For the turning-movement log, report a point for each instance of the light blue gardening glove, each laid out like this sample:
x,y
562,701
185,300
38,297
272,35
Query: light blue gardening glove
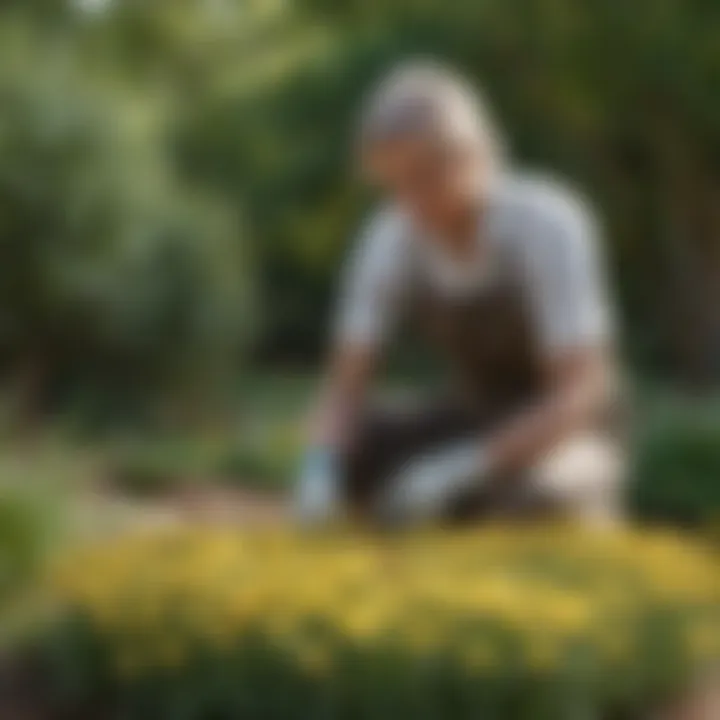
x,y
317,492
428,484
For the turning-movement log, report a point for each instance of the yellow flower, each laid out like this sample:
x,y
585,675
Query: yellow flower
x,y
128,663
703,641
542,589
314,658
543,653
170,653
479,657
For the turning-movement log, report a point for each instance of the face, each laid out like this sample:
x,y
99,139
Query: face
x,y
436,183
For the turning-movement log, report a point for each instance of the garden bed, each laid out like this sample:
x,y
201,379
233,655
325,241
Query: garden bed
x,y
501,623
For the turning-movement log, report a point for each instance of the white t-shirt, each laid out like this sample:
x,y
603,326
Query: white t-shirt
x,y
542,228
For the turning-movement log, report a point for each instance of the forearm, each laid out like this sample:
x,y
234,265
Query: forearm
x,y
317,494
577,388
341,398
567,407
332,419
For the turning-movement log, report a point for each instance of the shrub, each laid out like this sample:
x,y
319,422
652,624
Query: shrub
x,y
510,624
677,465
35,513
120,285
257,457
23,531
267,457
155,466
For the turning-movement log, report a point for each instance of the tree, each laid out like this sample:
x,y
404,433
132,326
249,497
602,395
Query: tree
x,y
115,276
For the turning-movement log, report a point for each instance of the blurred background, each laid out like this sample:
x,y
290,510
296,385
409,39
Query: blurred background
x,y
177,192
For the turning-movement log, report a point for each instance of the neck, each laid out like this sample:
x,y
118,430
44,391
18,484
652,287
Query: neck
x,y
461,231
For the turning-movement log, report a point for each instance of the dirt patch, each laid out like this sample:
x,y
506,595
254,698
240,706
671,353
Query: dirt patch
x,y
701,703
245,507
104,511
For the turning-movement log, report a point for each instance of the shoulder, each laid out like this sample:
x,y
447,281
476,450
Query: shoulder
x,y
545,224
538,214
385,224
384,238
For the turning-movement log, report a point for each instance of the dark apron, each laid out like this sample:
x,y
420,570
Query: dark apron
x,y
489,343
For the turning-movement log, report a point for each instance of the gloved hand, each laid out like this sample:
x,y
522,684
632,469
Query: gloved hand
x,y
425,486
317,497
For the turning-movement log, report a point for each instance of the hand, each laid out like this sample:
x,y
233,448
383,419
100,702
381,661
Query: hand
x,y
316,491
425,486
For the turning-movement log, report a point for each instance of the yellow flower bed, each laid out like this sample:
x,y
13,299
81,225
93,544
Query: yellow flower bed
x,y
575,619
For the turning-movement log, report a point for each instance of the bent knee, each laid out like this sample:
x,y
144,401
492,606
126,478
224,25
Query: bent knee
x,y
585,475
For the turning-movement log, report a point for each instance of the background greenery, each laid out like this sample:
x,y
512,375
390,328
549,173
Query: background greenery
x,y
177,192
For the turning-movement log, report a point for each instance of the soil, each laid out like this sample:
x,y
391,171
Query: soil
x,y
106,511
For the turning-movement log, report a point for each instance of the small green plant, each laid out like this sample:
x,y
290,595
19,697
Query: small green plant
x,y
23,533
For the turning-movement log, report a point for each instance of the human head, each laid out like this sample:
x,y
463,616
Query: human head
x,y
426,139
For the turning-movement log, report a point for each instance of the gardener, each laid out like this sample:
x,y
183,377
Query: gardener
x,y
501,270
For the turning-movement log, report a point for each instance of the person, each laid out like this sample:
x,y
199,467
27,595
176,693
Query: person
x,y
501,270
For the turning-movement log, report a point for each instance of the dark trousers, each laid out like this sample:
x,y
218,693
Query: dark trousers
x,y
581,477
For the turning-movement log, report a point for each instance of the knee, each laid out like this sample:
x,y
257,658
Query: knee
x,y
585,474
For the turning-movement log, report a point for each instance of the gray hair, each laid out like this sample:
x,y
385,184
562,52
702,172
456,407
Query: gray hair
x,y
427,98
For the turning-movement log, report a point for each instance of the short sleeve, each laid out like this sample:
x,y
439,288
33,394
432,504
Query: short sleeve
x,y
570,300
374,283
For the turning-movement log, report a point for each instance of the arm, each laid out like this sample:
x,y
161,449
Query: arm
x,y
317,492
578,384
571,313
342,394
369,304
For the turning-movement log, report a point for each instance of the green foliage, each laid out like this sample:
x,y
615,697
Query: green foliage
x,y
268,459
116,279
261,449
677,466
155,467
33,517
23,535
263,457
